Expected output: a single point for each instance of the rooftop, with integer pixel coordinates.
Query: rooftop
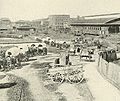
(99, 21)
(59, 15)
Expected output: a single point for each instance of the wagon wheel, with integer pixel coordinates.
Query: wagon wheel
(70, 78)
(80, 79)
(74, 79)
(58, 77)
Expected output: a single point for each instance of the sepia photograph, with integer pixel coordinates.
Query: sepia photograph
(59, 50)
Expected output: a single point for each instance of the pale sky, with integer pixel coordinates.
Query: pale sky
(36, 9)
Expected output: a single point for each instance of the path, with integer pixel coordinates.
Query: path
(101, 89)
(3, 94)
(70, 92)
(39, 92)
(36, 86)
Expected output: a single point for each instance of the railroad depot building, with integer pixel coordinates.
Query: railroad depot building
(96, 26)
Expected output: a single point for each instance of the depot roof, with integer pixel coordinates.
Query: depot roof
(97, 21)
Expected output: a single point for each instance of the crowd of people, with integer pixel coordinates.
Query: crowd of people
(109, 55)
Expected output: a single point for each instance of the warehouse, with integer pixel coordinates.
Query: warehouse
(96, 26)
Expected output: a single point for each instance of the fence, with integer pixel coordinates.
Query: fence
(110, 71)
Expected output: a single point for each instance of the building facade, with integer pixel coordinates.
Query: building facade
(5, 25)
(57, 22)
(96, 26)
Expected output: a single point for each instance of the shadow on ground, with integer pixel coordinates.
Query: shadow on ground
(7, 85)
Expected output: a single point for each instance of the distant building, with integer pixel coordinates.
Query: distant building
(23, 27)
(57, 22)
(5, 21)
(96, 26)
(44, 22)
(5, 25)
(40, 24)
(36, 24)
(22, 23)
(111, 15)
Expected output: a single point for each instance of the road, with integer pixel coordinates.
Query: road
(101, 89)
(37, 86)
(3, 95)
(96, 87)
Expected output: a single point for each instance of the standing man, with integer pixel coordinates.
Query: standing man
(67, 59)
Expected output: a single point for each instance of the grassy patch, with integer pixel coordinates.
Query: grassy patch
(19, 92)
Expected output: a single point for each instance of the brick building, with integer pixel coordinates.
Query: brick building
(58, 22)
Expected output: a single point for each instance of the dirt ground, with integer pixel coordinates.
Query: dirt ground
(16, 40)
(37, 86)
